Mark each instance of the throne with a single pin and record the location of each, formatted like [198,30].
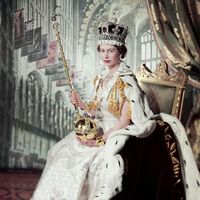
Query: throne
[151,163]
[165,92]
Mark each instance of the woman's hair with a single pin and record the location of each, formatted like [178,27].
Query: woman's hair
[122,50]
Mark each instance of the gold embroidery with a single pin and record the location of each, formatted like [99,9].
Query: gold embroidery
[129,110]
[95,80]
[117,98]
[172,149]
[92,105]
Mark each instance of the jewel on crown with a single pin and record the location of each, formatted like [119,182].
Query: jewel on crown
[112,33]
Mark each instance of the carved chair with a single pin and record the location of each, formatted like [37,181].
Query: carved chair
[165,92]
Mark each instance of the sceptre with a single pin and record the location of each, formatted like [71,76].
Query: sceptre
[84,126]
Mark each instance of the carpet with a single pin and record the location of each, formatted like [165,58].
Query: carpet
[17,184]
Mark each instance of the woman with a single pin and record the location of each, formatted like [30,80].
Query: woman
[93,169]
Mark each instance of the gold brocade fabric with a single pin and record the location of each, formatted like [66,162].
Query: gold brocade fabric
[92,105]
[95,80]
[117,98]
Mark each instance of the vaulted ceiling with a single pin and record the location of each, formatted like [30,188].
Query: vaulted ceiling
[128,12]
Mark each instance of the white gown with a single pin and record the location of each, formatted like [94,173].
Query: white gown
[77,172]
[69,164]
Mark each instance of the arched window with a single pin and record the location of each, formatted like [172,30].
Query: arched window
[149,51]
[34,98]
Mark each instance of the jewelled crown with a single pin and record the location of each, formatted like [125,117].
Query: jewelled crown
[112,33]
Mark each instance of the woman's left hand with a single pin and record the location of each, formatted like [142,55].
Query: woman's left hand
[90,143]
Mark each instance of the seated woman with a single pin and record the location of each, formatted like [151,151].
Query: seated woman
[136,152]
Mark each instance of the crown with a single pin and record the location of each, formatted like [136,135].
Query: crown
[112,33]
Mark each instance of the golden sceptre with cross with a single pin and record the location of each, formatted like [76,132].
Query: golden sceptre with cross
[84,126]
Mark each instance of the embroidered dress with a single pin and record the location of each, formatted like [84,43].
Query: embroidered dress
[77,172]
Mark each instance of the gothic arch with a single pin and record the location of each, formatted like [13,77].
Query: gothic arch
[60,96]
[92,17]
[145,26]
[34,98]
[35,76]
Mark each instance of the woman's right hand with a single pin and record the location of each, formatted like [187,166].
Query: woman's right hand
[76,99]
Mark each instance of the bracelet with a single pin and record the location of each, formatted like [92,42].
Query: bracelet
[99,141]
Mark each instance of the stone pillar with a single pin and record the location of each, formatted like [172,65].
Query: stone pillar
[36,105]
[42,103]
[29,104]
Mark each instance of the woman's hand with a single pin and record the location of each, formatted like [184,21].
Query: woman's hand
[76,100]
[90,143]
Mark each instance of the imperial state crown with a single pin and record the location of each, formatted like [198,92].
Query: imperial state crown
[112,33]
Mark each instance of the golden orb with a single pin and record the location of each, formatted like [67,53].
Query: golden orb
[85,127]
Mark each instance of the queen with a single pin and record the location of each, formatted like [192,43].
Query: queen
[94,168]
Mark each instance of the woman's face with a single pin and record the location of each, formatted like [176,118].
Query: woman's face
[109,55]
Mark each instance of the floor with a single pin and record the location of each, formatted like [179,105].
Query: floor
[17,185]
